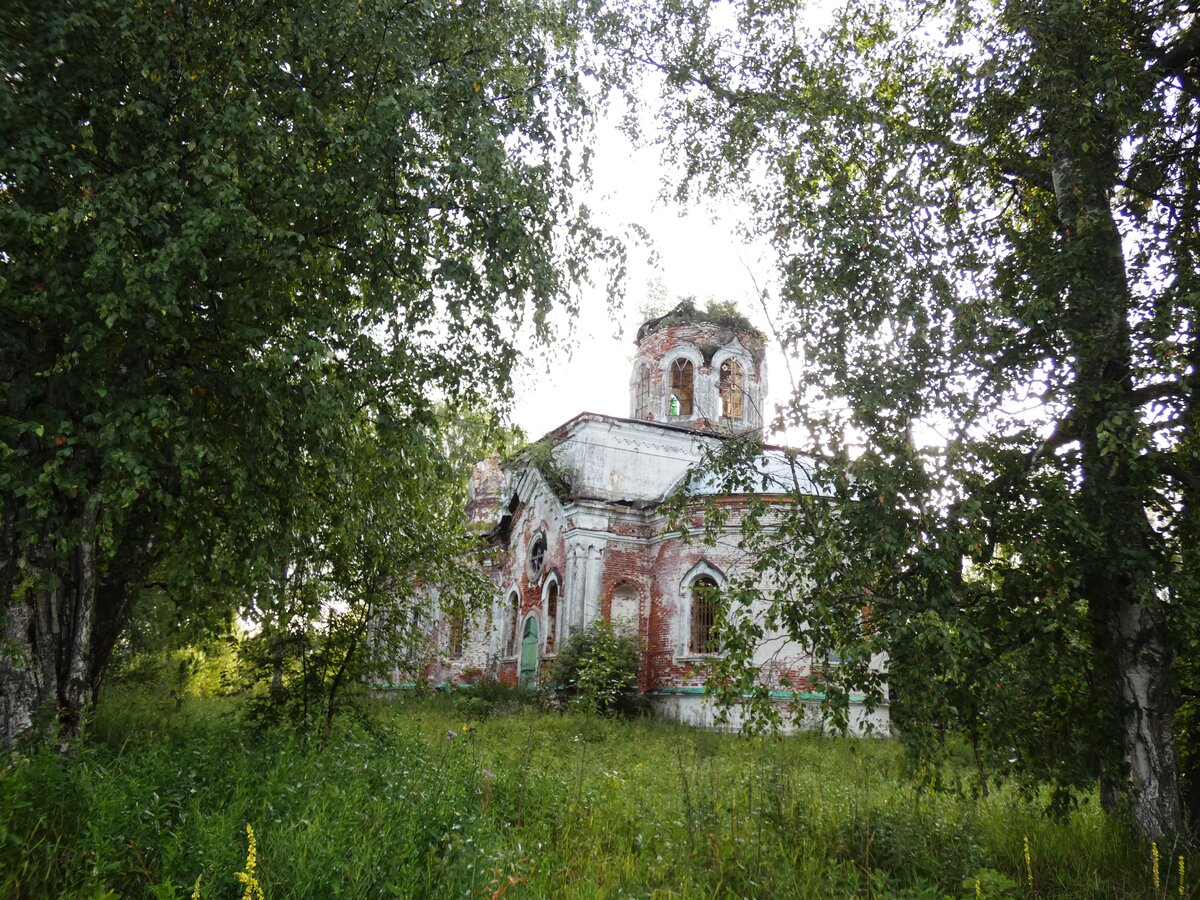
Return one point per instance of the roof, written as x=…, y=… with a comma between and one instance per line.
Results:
x=781, y=471
x=685, y=312
x=617, y=459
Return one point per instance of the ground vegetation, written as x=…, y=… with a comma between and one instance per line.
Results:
x=443, y=797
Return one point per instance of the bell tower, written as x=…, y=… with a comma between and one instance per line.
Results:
x=701, y=370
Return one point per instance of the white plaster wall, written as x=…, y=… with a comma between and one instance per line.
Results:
x=614, y=459
x=698, y=711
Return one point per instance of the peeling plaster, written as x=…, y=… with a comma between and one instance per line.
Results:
x=609, y=537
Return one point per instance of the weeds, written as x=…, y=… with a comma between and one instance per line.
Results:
x=517, y=803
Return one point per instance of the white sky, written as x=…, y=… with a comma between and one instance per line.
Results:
x=697, y=256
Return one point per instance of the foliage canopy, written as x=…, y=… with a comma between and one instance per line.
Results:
x=986, y=218
x=246, y=246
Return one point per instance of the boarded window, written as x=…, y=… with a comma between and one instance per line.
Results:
x=704, y=637
x=681, y=386
x=514, y=612
x=642, y=396
x=623, y=610
x=732, y=389
x=551, y=615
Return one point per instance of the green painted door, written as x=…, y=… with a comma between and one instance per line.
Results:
x=529, y=652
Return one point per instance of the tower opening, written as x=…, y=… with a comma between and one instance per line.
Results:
x=682, y=386
x=732, y=389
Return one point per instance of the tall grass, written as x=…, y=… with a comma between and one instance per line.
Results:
x=434, y=799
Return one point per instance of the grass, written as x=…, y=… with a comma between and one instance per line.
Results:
x=446, y=799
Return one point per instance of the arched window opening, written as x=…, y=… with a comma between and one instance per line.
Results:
x=703, y=637
x=642, y=393
x=527, y=669
x=415, y=640
x=731, y=389
x=551, y=615
x=514, y=612
x=537, y=556
x=681, y=387
x=457, y=623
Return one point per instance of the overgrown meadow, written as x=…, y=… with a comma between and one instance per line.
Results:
x=484, y=796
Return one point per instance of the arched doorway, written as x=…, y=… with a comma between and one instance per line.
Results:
x=529, y=652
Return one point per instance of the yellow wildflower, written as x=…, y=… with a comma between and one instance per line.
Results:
x=253, y=890
x=1028, y=862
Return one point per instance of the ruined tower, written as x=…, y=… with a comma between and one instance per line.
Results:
x=702, y=370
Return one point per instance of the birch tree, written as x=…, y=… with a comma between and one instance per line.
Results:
x=987, y=221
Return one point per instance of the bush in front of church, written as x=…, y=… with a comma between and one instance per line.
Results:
x=596, y=671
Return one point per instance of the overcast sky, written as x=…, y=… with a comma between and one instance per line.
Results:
x=696, y=257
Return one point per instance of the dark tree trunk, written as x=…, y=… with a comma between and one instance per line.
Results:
x=277, y=653
x=980, y=769
x=120, y=586
x=355, y=639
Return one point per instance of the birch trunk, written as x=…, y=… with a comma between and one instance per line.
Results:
x=1133, y=645
x=48, y=633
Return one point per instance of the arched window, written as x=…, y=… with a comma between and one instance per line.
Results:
x=415, y=639
x=642, y=393
x=551, y=615
x=514, y=612
x=731, y=389
x=457, y=628
x=681, y=387
x=537, y=556
x=703, y=638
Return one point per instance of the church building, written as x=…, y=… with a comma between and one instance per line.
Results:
x=581, y=534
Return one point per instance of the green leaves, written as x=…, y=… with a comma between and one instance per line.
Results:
x=246, y=249
x=984, y=219
x=596, y=670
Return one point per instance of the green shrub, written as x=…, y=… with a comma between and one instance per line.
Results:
x=540, y=455
x=210, y=668
x=501, y=697
x=596, y=670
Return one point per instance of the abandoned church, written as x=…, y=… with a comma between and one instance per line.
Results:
x=590, y=540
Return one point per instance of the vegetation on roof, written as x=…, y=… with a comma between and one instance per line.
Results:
x=717, y=312
x=540, y=455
